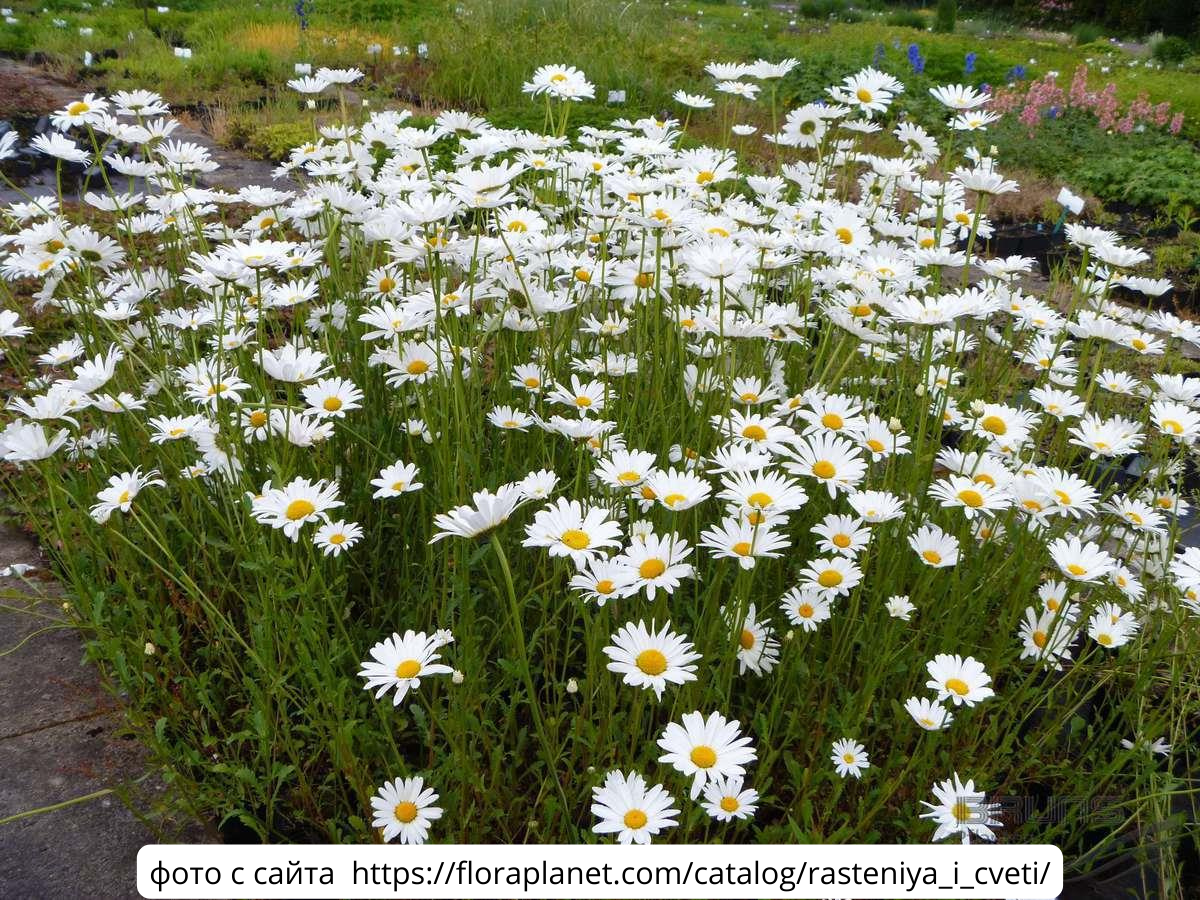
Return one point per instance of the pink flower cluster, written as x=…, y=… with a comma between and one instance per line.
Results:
x=1045, y=96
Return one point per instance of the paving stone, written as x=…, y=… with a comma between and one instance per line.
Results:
x=62, y=738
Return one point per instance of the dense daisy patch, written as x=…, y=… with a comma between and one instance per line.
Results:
x=482, y=484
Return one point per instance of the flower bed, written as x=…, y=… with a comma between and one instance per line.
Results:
x=644, y=494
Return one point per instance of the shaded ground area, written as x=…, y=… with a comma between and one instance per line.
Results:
x=64, y=753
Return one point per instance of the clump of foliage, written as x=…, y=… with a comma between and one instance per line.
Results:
x=1151, y=176
x=947, y=14
x=1172, y=50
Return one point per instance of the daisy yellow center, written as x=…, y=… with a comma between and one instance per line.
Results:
x=848, y=758
x=387, y=285
x=1039, y=639
x=741, y=548
x=984, y=478
x=832, y=421
x=961, y=811
x=673, y=499
x=845, y=235
x=1172, y=426
x=635, y=819
x=830, y=578
x=332, y=404
x=583, y=400
x=932, y=557
x=958, y=686
x=1076, y=569
x=1138, y=344
x=576, y=539
x=652, y=568
x=876, y=445
x=704, y=177
x=405, y=811
x=337, y=539
x=861, y=310
x=805, y=610
x=823, y=468
x=648, y=492
x=558, y=77
x=730, y=804
x=749, y=397
x=1134, y=518
x=971, y=498
x=517, y=226
x=756, y=518
x=864, y=96
x=1105, y=639
x=605, y=586
x=962, y=218
x=760, y=499
x=754, y=432
x=511, y=423
x=841, y=540
x=78, y=108
x=124, y=498
x=583, y=275
x=299, y=509
x=398, y=485
x=643, y=280
x=704, y=757
x=410, y=668
x=417, y=367
x=1032, y=505
x=994, y=425
x=746, y=639
x=652, y=662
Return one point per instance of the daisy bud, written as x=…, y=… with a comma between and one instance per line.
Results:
x=919, y=390
x=150, y=649
x=791, y=633
x=457, y=677
x=978, y=407
x=311, y=104
x=895, y=426
x=572, y=686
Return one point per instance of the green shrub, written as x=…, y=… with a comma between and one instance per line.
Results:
x=1172, y=50
x=947, y=13
x=1087, y=33
x=273, y=142
x=822, y=9
x=906, y=18
x=1148, y=176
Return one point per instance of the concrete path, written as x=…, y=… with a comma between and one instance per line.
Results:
x=64, y=750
